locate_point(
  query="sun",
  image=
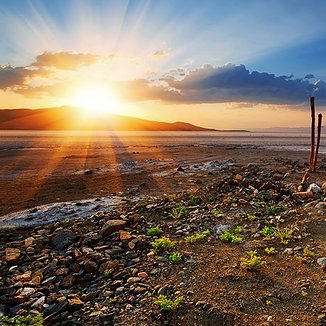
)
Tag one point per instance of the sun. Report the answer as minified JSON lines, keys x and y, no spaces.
{"x":95,"y":100}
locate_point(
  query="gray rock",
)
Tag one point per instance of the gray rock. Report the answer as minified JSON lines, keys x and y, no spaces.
{"x":321,"y":261}
{"x":63,"y":239}
{"x":112,"y":226}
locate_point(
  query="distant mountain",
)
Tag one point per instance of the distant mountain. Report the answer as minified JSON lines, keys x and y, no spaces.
{"x":71,"y":118}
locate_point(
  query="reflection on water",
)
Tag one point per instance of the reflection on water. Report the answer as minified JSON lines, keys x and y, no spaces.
{"x":52,"y":139}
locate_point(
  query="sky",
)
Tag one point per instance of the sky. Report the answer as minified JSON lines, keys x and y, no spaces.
{"x":220,"y":64}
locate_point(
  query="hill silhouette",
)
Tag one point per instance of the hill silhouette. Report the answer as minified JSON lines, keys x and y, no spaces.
{"x":71,"y":118}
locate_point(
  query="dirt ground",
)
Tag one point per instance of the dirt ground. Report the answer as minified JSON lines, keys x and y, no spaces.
{"x":30,"y":178}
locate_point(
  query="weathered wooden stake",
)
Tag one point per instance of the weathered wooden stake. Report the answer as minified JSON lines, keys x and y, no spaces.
{"x":312,"y":147}
{"x":320,"y":119}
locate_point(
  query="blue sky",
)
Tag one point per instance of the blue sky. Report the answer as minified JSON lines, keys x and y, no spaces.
{"x":281,"y":38}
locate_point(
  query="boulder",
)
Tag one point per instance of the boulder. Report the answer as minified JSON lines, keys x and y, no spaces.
{"x":112,"y":226}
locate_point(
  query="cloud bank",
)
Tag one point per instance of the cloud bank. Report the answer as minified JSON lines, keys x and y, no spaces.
{"x":207,"y":84}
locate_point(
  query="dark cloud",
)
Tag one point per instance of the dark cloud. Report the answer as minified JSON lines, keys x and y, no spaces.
{"x":14,"y":76}
{"x":65,"y":60}
{"x":234,"y":83}
{"x":309,"y":76}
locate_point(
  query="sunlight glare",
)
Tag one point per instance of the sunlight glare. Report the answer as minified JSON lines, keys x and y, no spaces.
{"x":95,"y":100}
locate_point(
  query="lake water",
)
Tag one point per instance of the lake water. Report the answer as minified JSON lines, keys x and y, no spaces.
{"x":38,"y":140}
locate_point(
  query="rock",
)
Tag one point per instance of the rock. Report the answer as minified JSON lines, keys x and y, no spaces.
{"x":39,"y":302}
{"x":321,"y":205}
{"x":75,"y":303}
{"x":139,"y":290}
{"x":29,"y":241}
{"x":238,"y":178}
{"x":124,"y":235}
{"x":88,"y":172}
{"x":302,"y":195}
{"x":314,"y":188}
{"x":62,"y":271}
{"x":26,"y":293}
{"x":142,"y":275}
{"x":90,"y":266}
{"x":323,"y":187}
{"x":12,"y":255}
{"x":63,"y":239}
{"x":133,"y":279}
{"x":180,"y":169}
{"x":288,"y":251}
{"x":112,"y":226}
{"x":68,"y":281}
{"x":23,"y":277}
{"x":131,"y":245}
{"x":321,"y":261}
{"x":163,"y":290}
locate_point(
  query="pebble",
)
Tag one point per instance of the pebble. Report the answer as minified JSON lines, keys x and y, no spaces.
{"x":321,"y":261}
{"x":112,"y":226}
{"x":12,"y":255}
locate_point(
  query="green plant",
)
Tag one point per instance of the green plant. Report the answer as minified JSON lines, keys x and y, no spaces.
{"x":216,"y":212}
{"x":228,"y":236}
{"x":270,"y":251}
{"x":178,"y":211}
{"x":253,"y":262}
{"x":162,"y":244}
{"x":238,"y":229}
{"x":272,"y":210}
{"x":28,"y":320}
{"x":175,"y":258}
{"x":198,"y":236}
{"x":154,"y":231}
{"x":304,"y":293}
{"x":251,"y":217}
{"x":306,"y":254}
{"x":267,"y":231}
{"x":284,"y":234}
{"x":269,"y":302}
{"x":193,"y":199}
{"x":232,"y":200}
{"x":166,"y":304}
{"x":108,"y":272}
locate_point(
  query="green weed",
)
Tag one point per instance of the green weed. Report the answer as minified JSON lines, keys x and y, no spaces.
{"x":284,"y":234}
{"x":267,"y":231}
{"x":175,"y":258}
{"x":228,"y":236}
{"x":198,"y":236}
{"x":270,"y":251}
{"x":155,"y":231}
{"x":253,"y":262}
{"x":178,"y":211}
{"x":27,"y":320}
{"x":166,"y":304}
{"x":163,"y":243}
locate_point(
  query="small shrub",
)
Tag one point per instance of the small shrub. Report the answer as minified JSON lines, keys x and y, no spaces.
{"x":154,"y":231}
{"x":194,"y":200}
{"x":284,"y":234}
{"x":253,"y":262}
{"x":28,"y":320}
{"x":162,"y":244}
{"x":232,"y":200}
{"x":306,"y":255}
{"x":267,"y":231}
{"x":270,"y":251}
{"x":108,"y":272}
{"x":216,"y":212}
{"x":228,"y":236}
{"x":251,"y":217}
{"x":198,"y":236}
{"x":175,"y":258}
{"x":166,"y":304}
{"x":178,"y":211}
{"x":272,"y":210}
{"x":238,"y":229}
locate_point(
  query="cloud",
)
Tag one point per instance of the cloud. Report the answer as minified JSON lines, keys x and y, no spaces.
{"x":234,"y":83}
{"x":309,"y":76}
{"x":65,"y":60}
{"x":14,"y":76}
{"x":160,"y":54}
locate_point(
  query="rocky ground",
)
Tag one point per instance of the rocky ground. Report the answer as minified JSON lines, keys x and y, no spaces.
{"x":247,"y":249}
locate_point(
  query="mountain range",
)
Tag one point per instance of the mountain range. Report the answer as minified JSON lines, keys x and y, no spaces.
{"x":71,"y":118}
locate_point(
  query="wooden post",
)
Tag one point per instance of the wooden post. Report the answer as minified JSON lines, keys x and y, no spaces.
{"x":320,"y":119}
{"x":312,"y":147}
